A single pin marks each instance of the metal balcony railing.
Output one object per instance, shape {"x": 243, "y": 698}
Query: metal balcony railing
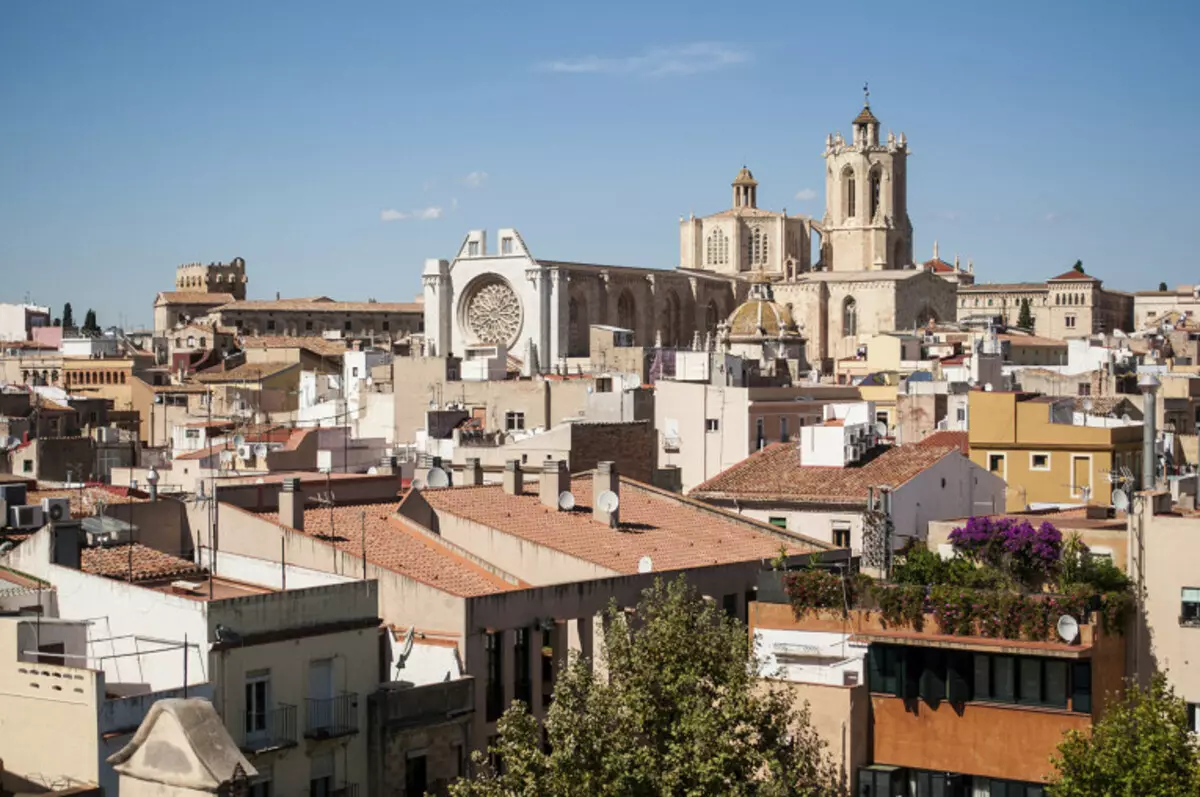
{"x": 272, "y": 729}
{"x": 326, "y": 718}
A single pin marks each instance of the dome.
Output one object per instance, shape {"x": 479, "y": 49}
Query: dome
{"x": 760, "y": 316}
{"x": 744, "y": 177}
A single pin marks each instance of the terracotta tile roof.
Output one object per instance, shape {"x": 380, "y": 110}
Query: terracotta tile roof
{"x": 1073, "y": 275}
{"x": 1104, "y": 405}
{"x": 1032, "y": 340}
{"x": 675, "y": 532}
{"x": 776, "y": 474}
{"x": 323, "y": 305}
{"x": 202, "y": 453}
{"x": 394, "y": 545}
{"x": 193, "y": 297}
{"x": 246, "y": 372}
{"x": 13, "y": 579}
{"x": 945, "y": 439}
{"x": 84, "y": 501}
{"x": 112, "y": 561}
{"x": 314, "y": 344}
{"x": 939, "y": 266}
{"x": 1000, "y": 287}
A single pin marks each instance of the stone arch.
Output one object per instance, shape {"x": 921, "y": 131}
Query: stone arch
{"x": 627, "y": 311}
{"x": 578, "y": 327}
{"x": 670, "y": 324}
{"x": 849, "y": 193}
{"x": 849, "y": 317}
{"x": 874, "y": 191}
{"x": 712, "y": 316}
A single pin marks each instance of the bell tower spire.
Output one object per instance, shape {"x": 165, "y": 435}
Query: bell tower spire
{"x": 745, "y": 190}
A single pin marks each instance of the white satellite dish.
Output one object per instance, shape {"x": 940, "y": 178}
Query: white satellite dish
{"x": 566, "y": 501}
{"x": 260, "y": 451}
{"x": 372, "y": 471}
{"x": 608, "y": 501}
{"x": 1068, "y": 628}
{"x": 645, "y": 564}
{"x": 239, "y": 440}
{"x": 880, "y": 429}
{"x": 1126, "y": 419}
{"x": 226, "y": 457}
{"x": 1120, "y": 501}
{"x": 417, "y": 484}
{"x": 437, "y": 478}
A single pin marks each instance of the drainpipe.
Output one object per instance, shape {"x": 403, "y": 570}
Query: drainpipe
{"x": 1149, "y": 387}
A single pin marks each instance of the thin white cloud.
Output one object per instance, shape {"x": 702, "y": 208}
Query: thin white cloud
{"x": 1051, "y": 217}
{"x": 806, "y": 194}
{"x": 675, "y": 61}
{"x": 422, "y": 214}
{"x": 475, "y": 180}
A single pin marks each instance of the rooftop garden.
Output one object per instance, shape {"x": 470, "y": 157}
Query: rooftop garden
{"x": 1008, "y": 579}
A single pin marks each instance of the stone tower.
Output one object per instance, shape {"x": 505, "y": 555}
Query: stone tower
{"x": 866, "y": 208}
{"x": 213, "y": 278}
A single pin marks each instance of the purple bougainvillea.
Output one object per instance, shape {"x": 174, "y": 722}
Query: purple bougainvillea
{"x": 1014, "y": 545}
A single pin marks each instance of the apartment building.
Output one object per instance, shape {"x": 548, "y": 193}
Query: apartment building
{"x": 1035, "y": 444}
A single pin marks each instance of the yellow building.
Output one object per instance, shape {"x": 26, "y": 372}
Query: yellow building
{"x": 881, "y": 389}
{"x": 1032, "y": 443}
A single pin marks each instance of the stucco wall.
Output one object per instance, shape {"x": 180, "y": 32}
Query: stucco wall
{"x": 840, "y": 716}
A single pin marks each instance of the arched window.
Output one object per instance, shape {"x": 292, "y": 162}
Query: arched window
{"x": 626, "y": 311}
{"x": 849, "y": 317}
{"x": 756, "y": 247}
{"x": 848, "y": 188}
{"x": 122, "y": 377}
{"x": 577, "y": 328}
{"x": 717, "y": 249}
{"x": 874, "y": 195}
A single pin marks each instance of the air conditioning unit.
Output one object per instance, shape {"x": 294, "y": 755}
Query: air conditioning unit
{"x": 245, "y": 452}
{"x": 26, "y": 517}
{"x": 56, "y": 509}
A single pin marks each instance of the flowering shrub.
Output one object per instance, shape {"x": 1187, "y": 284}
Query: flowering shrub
{"x": 1115, "y": 608}
{"x": 955, "y": 609}
{"x": 901, "y": 605}
{"x": 813, "y": 589}
{"x": 1010, "y": 544}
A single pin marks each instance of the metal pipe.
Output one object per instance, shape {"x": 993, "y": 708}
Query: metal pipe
{"x": 1149, "y": 386}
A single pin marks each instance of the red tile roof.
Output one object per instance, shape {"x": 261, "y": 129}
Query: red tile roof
{"x": 246, "y": 372}
{"x": 84, "y": 501}
{"x": 1073, "y": 275}
{"x": 776, "y": 474}
{"x": 957, "y": 440}
{"x": 112, "y": 561}
{"x": 675, "y": 532}
{"x": 317, "y": 345}
{"x": 939, "y": 266}
{"x": 193, "y": 297}
{"x": 394, "y": 545}
{"x": 324, "y": 305}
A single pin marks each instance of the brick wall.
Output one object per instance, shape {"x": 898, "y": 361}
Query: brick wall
{"x": 630, "y": 445}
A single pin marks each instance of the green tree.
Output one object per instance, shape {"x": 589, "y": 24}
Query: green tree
{"x": 1078, "y": 266}
{"x": 1025, "y": 320}
{"x": 1162, "y": 287}
{"x": 68, "y": 317}
{"x": 1142, "y": 746}
{"x": 672, "y": 709}
{"x": 89, "y": 321}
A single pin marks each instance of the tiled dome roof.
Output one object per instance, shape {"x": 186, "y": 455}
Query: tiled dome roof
{"x": 760, "y": 316}
{"x": 744, "y": 177}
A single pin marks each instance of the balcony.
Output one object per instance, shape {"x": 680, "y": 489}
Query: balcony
{"x": 264, "y": 731}
{"x": 329, "y": 718}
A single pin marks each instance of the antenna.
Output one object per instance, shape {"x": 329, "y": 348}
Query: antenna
{"x": 406, "y": 649}
{"x": 1120, "y": 501}
{"x": 437, "y": 478}
{"x": 566, "y": 501}
{"x": 608, "y": 502}
{"x": 645, "y": 564}
{"x": 1068, "y": 628}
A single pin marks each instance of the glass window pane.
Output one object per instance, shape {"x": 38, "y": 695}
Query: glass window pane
{"x": 1081, "y": 687}
{"x": 1056, "y": 684}
{"x": 983, "y": 676}
{"x": 1191, "y": 594}
{"x": 1004, "y": 677}
{"x": 1031, "y": 680}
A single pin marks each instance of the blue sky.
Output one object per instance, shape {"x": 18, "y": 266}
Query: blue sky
{"x": 337, "y": 145}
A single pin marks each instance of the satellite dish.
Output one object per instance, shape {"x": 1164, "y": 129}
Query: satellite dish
{"x": 608, "y": 501}
{"x": 1126, "y": 419}
{"x": 372, "y": 471}
{"x": 1068, "y": 628}
{"x": 239, "y": 440}
{"x": 1120, "y": 501}
{"x": 437, "y": 478}
{"x": 566, "y": 501}
{"x": 226, "y": 457}
{"x": 880, "y": 429}
{"x": 409, "y": 637}
{"x": 260, "y": 451}
{"x": 417, "y": 484}
{"x": 645, "y": 564}
{"x": 632, "y": 380}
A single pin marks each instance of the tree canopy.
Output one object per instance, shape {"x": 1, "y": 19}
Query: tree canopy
{"x": 1025, "y": 320}
{"x": 673, "y": 708}
{"x": 1141, "y": 746}
{"x": 89, "y": 321}
{"x": 68, "y": 316}
{"x": 1162, "y": 287}
{"x": 1078, "y": 266}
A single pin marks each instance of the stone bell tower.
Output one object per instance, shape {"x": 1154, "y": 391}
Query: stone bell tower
{"x": 866, "y": 203}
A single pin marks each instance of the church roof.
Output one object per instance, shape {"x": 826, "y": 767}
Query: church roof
{"x": 865, "y": 116}
{"x": 760, "y": 316}
{"x": 1073, "y": 275}
{"x": 939, "y": 266}
{"x": 744, "y": 177}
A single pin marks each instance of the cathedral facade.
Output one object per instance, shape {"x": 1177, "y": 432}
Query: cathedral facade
{"x": 840, "y": 279}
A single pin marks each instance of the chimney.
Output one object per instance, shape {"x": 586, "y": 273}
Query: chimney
{"x": 67, "y": 544}
{"x": 555, "y": 479}
{"x": 473, "y": 472}
{"x": 387, "y": 465}
{"x": 605, "y": 480}
{"x": 514, "y": 479}
{"x": 291, "y": 504}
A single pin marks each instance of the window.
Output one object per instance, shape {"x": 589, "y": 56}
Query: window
{"x": 415, "y": 769}
{"x": 387, "y": 326}
{"x": 783, "y": 430}
{"x": 347, "y": 326}
{"x": 717, "y": 249}
{"x": 850, "y": 191}
{"x": 524, "y": 683}
{"x": 514, "y": 421}
{"x": 191, "y": 341}
{"x": 874, "y": 187}
{"x": 27, "y": 466}
{"x": 712, "y": 425}
{"x": 1189, "y": 598}
{"x": 320, "y": 776}
{"x": 495, "y": 674}
{"x": 473, "y": 249}
{"x": 506, "y": 246}
{"x": 759, "y": 437}
{"x": 308, "y": 325}
{"x": 1039, "y": 461}
{"x": 849, "y": 317}
{"x": 1193, "y": 715}
{"x": 778, "y": 522}
{"x": 604, "y": 384}
{"x": 260, "y": 786}
{"x": 961, "y": 414}
{"x": 257, "y": 686}
{"x": 192, "y": 434}
{"x": 881, "y": 417}
{"x": 996, "y": 464}
{"x": 1070, "y": 321}
{"x": 354, "y": 371}
{"x": 841, "y": 535}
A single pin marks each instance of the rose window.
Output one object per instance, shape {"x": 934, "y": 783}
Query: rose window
{"x": 494, "y": 313}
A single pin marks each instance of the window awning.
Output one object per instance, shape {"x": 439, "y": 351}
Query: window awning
{"x": 1017, "y": 647}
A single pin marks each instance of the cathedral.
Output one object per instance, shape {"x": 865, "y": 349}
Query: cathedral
{"x": 837, "y": 280}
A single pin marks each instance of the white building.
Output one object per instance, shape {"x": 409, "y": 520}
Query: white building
{"x": 18, "y": 320}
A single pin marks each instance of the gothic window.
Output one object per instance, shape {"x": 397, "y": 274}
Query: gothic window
{"x": 756, "y": 247}
{"x": 578, "y": 328}
{"x": 717, "y": 249}
{"x": 849, "y": 317}
{"x": 874, "y": 188}
{"x": 626, "y": 311}
{"x": 848, "y": 183}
